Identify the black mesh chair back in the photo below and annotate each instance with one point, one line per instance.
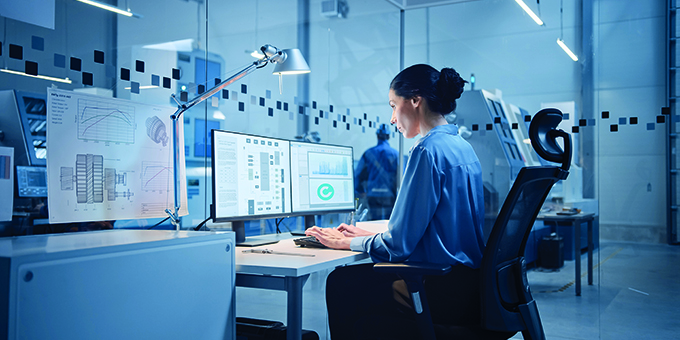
(507, 304)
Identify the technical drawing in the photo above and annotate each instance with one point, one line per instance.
(157, 176)
(105, 122)
(155, 129)
(89, 178)
(153, 209)
(66, 178)
(111, 179)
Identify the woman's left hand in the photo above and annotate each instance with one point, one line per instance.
(330, 237)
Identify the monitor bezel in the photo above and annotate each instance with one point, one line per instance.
(321, 212)
(16, 179)
(217, 219)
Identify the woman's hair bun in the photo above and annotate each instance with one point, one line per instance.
(450, 85)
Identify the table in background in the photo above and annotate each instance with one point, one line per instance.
(576, 221)
(290, 272)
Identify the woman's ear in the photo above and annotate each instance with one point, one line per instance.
(416, 101)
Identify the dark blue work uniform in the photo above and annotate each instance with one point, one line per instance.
(376, 176)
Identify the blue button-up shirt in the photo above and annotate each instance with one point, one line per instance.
(439, 211)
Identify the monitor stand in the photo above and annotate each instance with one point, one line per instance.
(239, 228)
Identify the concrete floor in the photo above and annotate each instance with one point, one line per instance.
(635, 295)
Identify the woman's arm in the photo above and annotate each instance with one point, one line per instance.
(352, 231)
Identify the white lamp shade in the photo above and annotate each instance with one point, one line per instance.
(294, 63)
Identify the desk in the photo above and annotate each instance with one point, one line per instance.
(289, 272)
(576, 221)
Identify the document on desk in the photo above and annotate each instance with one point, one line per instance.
(109, 158)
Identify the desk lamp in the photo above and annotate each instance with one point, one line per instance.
(288, 61)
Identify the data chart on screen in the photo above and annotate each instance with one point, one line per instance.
(322, 177)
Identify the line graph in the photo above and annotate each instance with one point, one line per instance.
(104, 121)
(156, 176)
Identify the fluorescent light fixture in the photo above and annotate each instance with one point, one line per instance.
(529, 11)
(110, 8)
(567, 50)
(145, 87)
(61, 80)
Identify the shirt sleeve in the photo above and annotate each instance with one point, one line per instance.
(414, 207)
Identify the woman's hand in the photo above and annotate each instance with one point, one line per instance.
(330, 237)
(352, 231)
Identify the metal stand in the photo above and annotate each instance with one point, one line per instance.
(272, 54)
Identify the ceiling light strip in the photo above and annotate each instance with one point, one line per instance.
(530, 12)
(567, 50)
(61, 80)
(110, 8)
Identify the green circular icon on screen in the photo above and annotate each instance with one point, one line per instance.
(325, 191)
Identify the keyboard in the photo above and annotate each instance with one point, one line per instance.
(309, 241)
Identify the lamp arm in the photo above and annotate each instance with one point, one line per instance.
(184, 107)
(176, 121)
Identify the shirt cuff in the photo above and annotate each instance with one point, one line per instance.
(357, 244)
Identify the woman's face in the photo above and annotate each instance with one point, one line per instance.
(404, 115)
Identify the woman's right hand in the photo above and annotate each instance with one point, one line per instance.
(352, 231)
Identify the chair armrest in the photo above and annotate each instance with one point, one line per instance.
(412, 268)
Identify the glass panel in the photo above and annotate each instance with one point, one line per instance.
(523, 77)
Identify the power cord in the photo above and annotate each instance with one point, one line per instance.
(201, 225)
(157, 224)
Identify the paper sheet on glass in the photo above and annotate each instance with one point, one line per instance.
(109, 159)
(6, 183)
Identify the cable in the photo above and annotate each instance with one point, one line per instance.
(278, 222)
(200, 225)
(157, 224)
(278, 231)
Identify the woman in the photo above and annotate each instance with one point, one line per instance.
(437, 217)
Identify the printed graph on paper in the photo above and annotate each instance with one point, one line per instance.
(104, 121)
(156, 176)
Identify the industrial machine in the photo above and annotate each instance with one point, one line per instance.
(23, 126)
(519, 120)
(482, 117)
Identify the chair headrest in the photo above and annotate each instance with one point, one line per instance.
(543, 133)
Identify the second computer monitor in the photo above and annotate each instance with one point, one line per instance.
(322, 178)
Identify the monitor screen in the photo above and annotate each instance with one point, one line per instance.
(322, 178)
(250, 177)
(31, 181)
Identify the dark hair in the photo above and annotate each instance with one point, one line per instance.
(383, 132)
(440, 89)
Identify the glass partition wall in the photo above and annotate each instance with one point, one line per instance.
(611, 96)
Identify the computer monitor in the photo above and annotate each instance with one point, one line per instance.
(322, 178)
(250, 179)
(31, 181)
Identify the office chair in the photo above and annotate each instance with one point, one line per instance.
(507, 305)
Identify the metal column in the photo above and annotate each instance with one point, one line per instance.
(671, 115)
